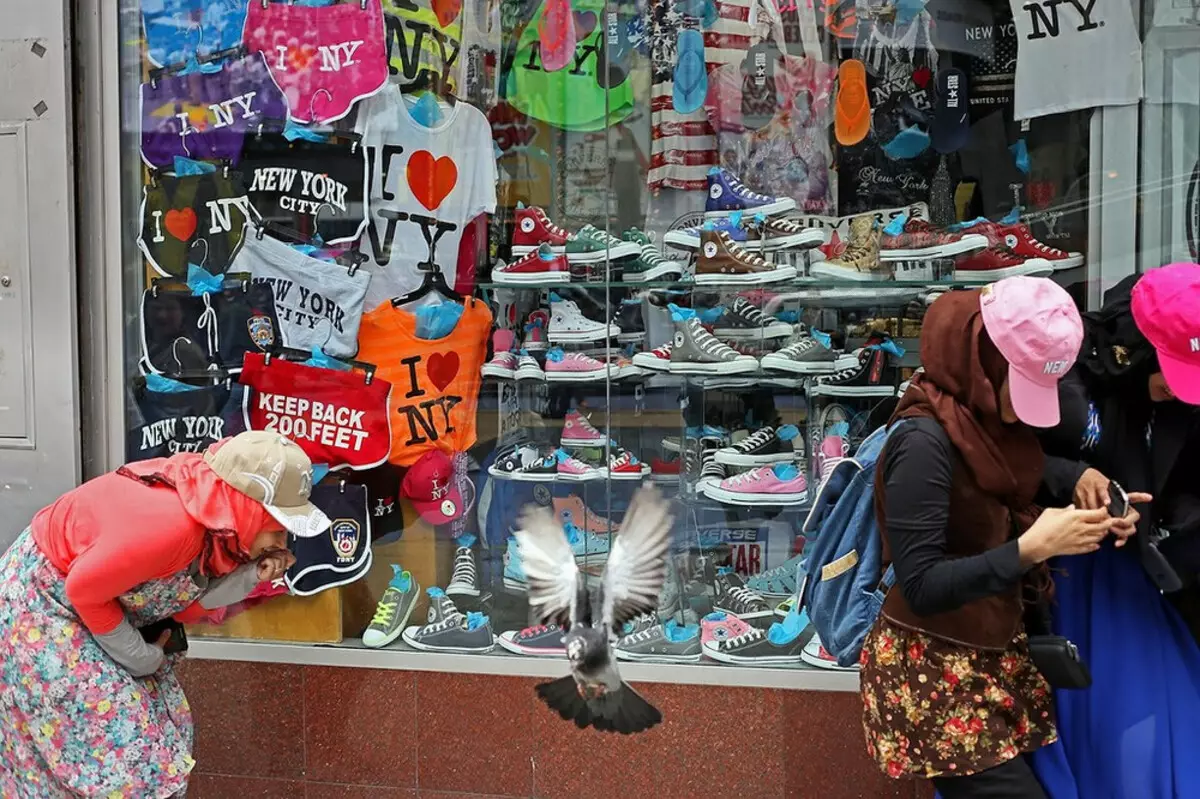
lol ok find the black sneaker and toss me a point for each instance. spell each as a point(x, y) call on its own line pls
point(875, 375)
point(764, 446)
point(743, 320)
point(734, 597)
point(527, 464)
point(464, 581)
point(711, 472)
point(629, 319)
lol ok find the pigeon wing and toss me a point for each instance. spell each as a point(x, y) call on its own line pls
point(637, 563)
point(549, 566)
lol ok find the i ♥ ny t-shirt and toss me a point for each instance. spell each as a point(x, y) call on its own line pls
point(424, 184)
point(435, 382)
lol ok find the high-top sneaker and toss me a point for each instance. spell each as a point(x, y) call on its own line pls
point(542, 267)
point(656, 360)
point(698, 352)
point(568, 324)
point(997, 263)
point(726, 193)
point(578, 431)
point(875, 374)
point(743, 320)
point(810, 355)
point(689, 238)
point(919, 240)
point(724, 261)
point(534, 229)
point(763, 446)
point(450, 630)
point(734, 597)
point(535, 331)
point(616, 247)
point(860, 260)
point(772, 233)
point(464, 580)
point(628, 318)
point(649, 265)
point(1017, 239)
point(711, 471)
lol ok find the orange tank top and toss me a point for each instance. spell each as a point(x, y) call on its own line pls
point(435, 382)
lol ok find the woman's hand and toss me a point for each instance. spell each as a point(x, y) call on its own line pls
point(273, 564)
point(1124, 527)
point(1091, 491)
point(1064, 531)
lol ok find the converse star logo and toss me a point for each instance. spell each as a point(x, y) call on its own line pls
point(710, 249)
point(714, 191)
point(527, 225)
point(679, 339)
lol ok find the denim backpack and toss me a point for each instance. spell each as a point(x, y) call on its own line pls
point(845, 583)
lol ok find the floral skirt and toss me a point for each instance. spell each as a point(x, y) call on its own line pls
point(932, 709)
point(72, 721)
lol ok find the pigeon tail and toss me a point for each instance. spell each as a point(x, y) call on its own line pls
point(624, 711)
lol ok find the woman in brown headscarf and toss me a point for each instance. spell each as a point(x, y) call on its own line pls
point(949, 690)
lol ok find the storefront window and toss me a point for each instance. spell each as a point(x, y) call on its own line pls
point(478, 255)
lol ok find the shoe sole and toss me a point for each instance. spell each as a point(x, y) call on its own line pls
point(654, 364)
point(655, 273)
point(575, 377)
point(524, 477)
point(776, 275)
point(1070, 262)
point(781, 364)
point(761, 614)
point(725, 657)
point(773, 330)
point(626, 338)
point(966, 244)
point(452, 590)
point(400, 627)
point(721, 368)
point(512, 646)
point(638, 657)
point(598, 441)
point(852, 391)
point(682, 241)
point(806, 240)
point(749, 498)
point(529, 374)
point(835, 272)
point(624, 475)
point(780, 206)
point(530, 278)
point(728, 458)
point(580, 478)
point(466, 650)
point(583, 337)
point(665, 479)
point(620, 251)
point(827, 665)
point(1032, 267)
point(498, 374)
point(514, 584)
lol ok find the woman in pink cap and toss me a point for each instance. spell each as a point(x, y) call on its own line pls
point(950, 691)
point(1129, 414)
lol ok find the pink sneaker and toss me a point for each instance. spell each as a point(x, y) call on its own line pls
point(574, 470)
point(503, 366)
point(720, 626)
point(656, 360)
point(833, 450)
point(578, 431)
point(573, 366)
point(782, 484)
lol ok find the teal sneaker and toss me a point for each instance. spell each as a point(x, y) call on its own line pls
point(514, 575)
point(778, 583)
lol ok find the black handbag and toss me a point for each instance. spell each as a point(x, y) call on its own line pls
point(176, 643)
point(1054, 655)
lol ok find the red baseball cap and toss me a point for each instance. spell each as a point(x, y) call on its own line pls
point(1166, 308)
point(430, 485)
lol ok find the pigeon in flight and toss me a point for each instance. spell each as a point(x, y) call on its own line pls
point(594, 695)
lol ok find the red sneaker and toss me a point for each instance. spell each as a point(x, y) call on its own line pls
point(662, 471)
point(996, 263)
point(539, 267)
point(921, 240)
point(534, 228)
point(1017, 238)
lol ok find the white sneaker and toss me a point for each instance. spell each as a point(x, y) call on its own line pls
point(569, 325)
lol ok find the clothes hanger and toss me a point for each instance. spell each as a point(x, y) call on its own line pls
point(294, 354)
point(174, 285)
point(434, 280)
point(212, 58)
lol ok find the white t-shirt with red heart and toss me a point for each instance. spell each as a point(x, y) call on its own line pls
point(424, 185)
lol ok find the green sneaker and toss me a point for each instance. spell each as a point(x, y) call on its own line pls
point(649, 265)
point(393, 610)
point(613, 246)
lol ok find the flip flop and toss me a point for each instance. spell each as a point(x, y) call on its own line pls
point(951, 127)
point(616, 48)
point(691, 75)
point(852, 109)
point(557, 31)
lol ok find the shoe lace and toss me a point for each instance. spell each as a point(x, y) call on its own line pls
point(530, 632)
point(745, 597)
point(843, 374)
point(645, 635)
point(464, 567)
point(745, 477)
point(553, 228)
point(741, 188)
point(384, 612)
point(803, 345)
point(750, 635)
point(743, 308)
point(743, 254)
point(755, 439)
point(710, 344)
point(1037, 245)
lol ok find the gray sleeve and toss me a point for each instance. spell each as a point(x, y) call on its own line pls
point(126, 646)
point(230, 589)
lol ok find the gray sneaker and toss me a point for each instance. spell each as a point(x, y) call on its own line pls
point(735, 598)
point(449, 629)
point(464, 580)
point(698, 352)
point(808, 356)
point(393, 610)
point(544, 640)
point(662, 643)
point(711, 472)
point(743, 320)
point(758, 646)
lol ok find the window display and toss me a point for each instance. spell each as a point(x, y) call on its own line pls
point(473, 257)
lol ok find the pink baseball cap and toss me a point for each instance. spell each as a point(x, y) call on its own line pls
point(1166, 308)
point(1036, 326)
point(431, 487)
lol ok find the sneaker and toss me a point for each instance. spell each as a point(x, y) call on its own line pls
point(834, 446)
point(1017, 239)
point(814, 654)
point(777, 583)
point(779, 644)
point(528, 368)
point(628, 320)
point(664, 471)
point(543, 640)
point(534, 228)
point(723, 261)
point(661, 643)
point(764, 446)
point(571, 509)
point(450, 630)
point(771, 234)
point(649, 265)
point(578, 431)
point(535, 331)
point(638, 623)
point(584, 543)
point(464, 580)
point(504, 465)
point(656, 360)
point(393, 610)
point(535, 468)
point(712, 473)
point(568, 324)
point(573, 367)
point(502, 366)
point(810, 355)
point(709, 436)
point(996, 263)
point(689, 238)
point(782, 484)
point(874, 375)
point(718, 626)
point(541, 267)
point(726, 193)
point(514, 573)
point(698, 352)
point(735, 598)
point(917, 239)
point(616, 247)
point(860, 260)
point(624, 465)
point(743, 320)
point(573, 470)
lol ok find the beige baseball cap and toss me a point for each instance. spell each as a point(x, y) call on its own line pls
point(271, 469)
